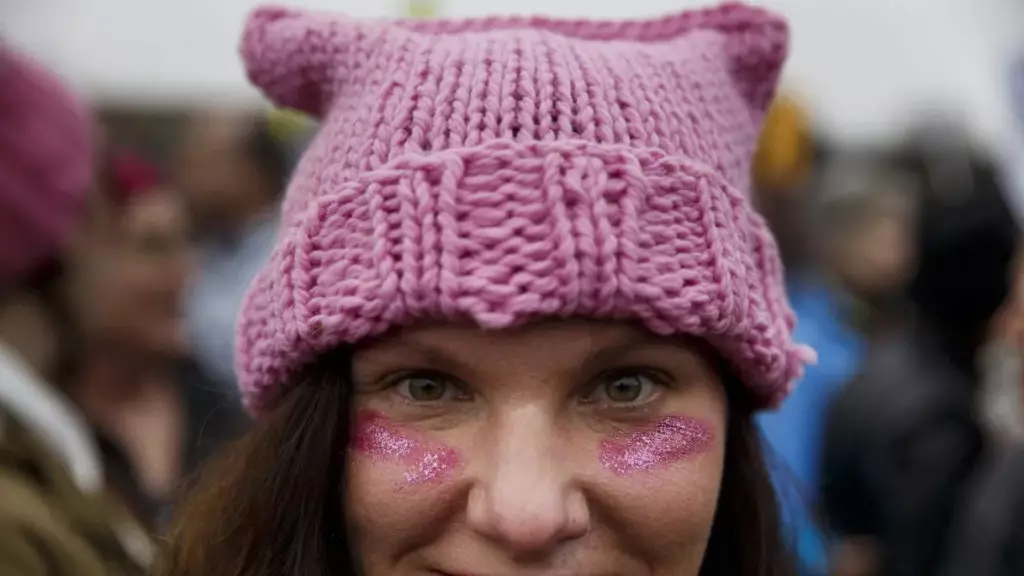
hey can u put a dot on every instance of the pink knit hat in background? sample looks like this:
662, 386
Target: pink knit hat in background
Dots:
45, 165
509, 169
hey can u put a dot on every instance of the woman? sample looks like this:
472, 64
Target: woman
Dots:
520, 313
903, 440
151, 409
55, 518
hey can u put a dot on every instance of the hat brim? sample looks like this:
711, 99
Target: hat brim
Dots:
508, 233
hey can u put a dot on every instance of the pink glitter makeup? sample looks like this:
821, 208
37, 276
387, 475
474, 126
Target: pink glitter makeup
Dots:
375, 437
669, 440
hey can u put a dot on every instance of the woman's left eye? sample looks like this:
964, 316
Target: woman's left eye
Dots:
629, 388
428, 388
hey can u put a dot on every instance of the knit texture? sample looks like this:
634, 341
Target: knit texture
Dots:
503, 170
45, 165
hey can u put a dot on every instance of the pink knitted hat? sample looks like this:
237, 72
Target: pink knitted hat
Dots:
45, 165
504, 170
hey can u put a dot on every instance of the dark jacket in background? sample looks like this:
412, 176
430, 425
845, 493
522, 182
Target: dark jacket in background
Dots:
988, 536
900, 446
903, 441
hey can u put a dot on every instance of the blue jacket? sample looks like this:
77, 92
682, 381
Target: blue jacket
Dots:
793, 433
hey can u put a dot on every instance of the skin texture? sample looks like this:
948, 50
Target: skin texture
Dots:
531, 418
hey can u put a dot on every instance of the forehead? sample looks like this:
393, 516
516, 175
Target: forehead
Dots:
550, 342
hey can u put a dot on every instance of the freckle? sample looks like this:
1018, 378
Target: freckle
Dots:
375, 437
670, 440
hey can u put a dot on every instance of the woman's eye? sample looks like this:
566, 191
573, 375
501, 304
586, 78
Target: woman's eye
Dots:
628, 388
427, 389
624, 389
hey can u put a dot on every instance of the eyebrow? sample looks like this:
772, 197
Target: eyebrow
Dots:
599, 356
428, 354
607, 355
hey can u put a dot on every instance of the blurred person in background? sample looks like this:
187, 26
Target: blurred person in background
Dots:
232, 172
863, 225
987, 538
847, 225
155, 414
56, 518
903, 438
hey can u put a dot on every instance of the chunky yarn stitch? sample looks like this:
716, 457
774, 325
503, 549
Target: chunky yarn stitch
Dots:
503, 170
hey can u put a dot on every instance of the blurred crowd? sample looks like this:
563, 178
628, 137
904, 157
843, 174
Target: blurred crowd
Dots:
120, 279
900, 451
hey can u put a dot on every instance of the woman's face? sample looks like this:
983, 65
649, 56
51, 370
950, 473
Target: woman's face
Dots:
146, 274
560, 448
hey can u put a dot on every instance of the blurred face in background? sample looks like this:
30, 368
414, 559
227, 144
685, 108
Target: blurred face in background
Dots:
875, 257
145, 274
218, 177
865, 220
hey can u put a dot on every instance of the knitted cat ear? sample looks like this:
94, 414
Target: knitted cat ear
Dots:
758, 43
297, 58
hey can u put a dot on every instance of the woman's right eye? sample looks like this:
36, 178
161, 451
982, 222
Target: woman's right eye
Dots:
428, 388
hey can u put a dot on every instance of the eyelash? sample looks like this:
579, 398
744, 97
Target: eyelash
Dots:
658, 379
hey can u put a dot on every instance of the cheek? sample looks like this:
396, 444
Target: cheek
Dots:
668, 441
662, 484
652, 490
396, 478
395, 451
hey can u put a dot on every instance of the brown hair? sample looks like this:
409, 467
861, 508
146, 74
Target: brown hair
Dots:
272, 504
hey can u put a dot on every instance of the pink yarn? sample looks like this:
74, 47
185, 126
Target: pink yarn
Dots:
45, 165
508, 169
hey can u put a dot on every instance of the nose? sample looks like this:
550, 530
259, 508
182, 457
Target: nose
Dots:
525, 498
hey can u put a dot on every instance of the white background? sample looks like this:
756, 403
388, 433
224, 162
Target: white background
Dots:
865, 66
